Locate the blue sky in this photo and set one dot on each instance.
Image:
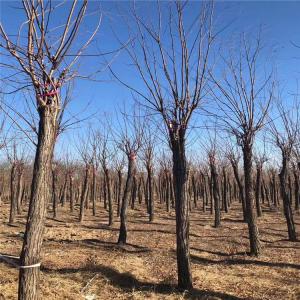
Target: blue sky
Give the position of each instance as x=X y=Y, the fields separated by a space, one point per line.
x=280 y=21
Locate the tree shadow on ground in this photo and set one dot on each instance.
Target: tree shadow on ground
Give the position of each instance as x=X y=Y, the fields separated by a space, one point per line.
x=147 y=222
x=100 y=226
x=128 y=282
x=241 y=261
x=218 y=252
x=229 y=220
x=128 y=247
x=153 y=230
x=96 y=243
x=209 y=236
x=106 y=227
x=55 y=220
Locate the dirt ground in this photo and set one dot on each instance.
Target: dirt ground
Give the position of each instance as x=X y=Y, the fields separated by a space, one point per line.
x=82 y=261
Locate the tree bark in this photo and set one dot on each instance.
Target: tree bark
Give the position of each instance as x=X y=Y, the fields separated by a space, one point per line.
x=94 y=191
x=84 y=193
x=13 y=194
x=258 y=190
x=109 y=198
x=40 y=192
x=128 y=186
x=54 y=193
x=297 y=189
x=225 y=200
x=182 y=214
x=71 y=178
x=216 y=194
x=241 y=188
x=20 y=186
x=119 y=192
x=255 y=246
x=150 y=193
x=283 y=176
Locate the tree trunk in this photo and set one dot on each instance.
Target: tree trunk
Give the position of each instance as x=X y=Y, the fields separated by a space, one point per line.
x=255 y=246
x=54 y=193
x=297 y=189
x=40 y=192
x=225 y=200
x=128 y=186
x=13 y=194
x=216 y=193
x=133 y=192
x=258 y=190
x=241 y=188
x=119 y=192
x=182 y=214
x=84 y=193
x=94 y=191
x=150 y=193
x=20 y=187
x=104 y=193
x=63 y=194
x=286 y=201
x=71 y=193
x=109 y=198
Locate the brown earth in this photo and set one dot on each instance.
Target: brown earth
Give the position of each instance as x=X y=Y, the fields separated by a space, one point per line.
x=82 y=261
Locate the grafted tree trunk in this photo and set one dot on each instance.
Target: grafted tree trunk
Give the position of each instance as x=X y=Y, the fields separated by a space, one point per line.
x=255 y=246
x=40 y=192
x=283 y=176
x=128 y=186
x=182 y=214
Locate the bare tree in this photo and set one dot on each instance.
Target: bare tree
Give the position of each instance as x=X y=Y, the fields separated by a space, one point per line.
x=87 y=148
x=119 y=165
x=243 y=99
x=42 y=63
x=148 y=159
x=104 y=156
x=285 y=137
x=129 y=140
x=173 y=70
x=260 y=159
x=211 y=145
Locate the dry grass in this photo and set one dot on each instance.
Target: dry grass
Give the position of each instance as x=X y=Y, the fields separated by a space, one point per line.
x=82 y=261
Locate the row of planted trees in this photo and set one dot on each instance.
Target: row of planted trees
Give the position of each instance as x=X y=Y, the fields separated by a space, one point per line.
x=212 y=186
x=174 y=61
